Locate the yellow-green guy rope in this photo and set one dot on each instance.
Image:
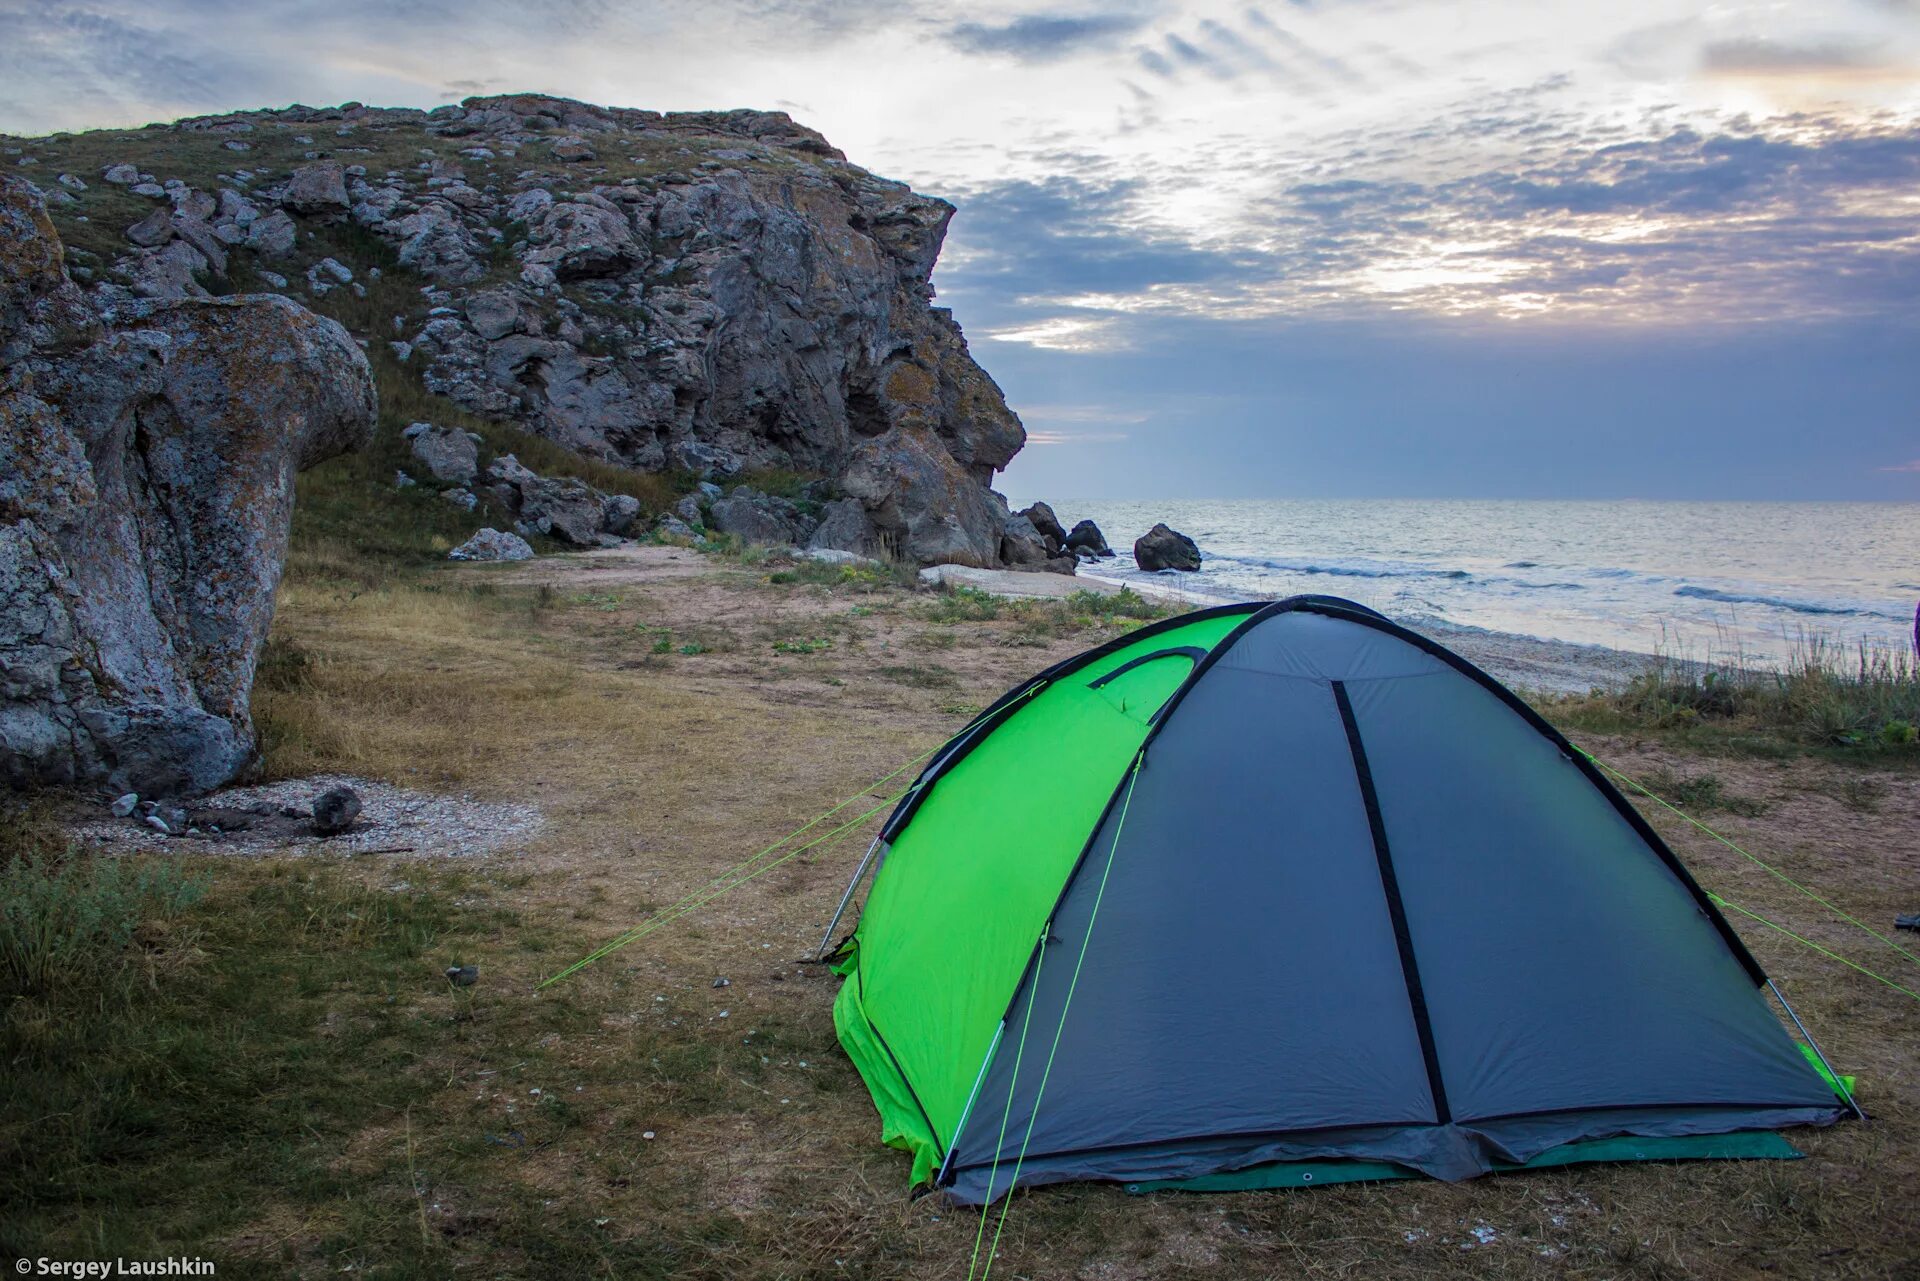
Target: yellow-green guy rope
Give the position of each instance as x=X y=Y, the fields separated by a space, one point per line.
x=1878 y=978
x=739 y=875
x=1769 y=868
x=1019 y=1053
x=1066 y=1003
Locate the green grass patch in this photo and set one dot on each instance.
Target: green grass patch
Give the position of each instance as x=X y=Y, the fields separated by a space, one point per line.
x=1856 y=704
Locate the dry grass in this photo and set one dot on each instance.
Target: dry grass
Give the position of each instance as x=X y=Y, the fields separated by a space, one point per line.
x=659 y=769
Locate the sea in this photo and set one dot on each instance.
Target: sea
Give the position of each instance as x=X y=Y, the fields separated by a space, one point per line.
x=1753 y=582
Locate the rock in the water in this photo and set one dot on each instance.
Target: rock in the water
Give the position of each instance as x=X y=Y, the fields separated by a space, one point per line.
x=335 y=809
x=447 y=452
x=146 y=479
x=492 y=544
x=1086 y=536
x=1164 y=548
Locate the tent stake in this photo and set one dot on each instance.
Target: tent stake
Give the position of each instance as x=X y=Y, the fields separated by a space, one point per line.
x=1833 y=1076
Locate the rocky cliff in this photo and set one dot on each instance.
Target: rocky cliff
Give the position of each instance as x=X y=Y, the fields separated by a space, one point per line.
x=716 y=293
x=147 y=453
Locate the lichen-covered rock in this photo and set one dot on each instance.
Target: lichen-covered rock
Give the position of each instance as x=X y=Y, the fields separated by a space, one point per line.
x=317 y=189
x=492 y=544
x=147 y=458
x=449 y=453
x=754 y=517
x=715 y=292
x=844 y=527
x=559 y=506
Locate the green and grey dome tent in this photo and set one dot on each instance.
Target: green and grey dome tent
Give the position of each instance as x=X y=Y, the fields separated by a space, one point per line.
x=1272 y=889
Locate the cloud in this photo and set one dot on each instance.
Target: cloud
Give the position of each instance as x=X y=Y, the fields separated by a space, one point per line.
x=1759 y=57
x=1736 y=224
x=1912 y=466
x=1042 y=37
x=1073 y=438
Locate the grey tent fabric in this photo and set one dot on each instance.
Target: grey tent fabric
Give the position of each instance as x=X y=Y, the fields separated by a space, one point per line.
x=1358 y=903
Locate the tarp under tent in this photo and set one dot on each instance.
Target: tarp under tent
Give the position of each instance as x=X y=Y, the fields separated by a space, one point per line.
x=1275 y=891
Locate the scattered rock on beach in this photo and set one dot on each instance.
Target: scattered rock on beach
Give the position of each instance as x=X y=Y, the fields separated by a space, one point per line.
x=1165 y=548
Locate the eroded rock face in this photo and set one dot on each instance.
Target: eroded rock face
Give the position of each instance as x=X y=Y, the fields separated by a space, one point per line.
x=712 y=291
x=147 y=457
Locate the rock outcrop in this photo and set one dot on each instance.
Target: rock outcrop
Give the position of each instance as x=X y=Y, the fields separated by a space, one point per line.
x=492 y=544
x=1086 y=539
x=1165 y=548
x=714 y=292
x=147 y=456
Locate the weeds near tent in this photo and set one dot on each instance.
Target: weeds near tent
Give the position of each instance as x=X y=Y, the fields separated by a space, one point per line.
x=1862 y=701
x=1701 y=793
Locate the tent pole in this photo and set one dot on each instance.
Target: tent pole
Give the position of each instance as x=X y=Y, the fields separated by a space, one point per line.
x=859 y=873
x=1845 y=1093
x=979 y=1079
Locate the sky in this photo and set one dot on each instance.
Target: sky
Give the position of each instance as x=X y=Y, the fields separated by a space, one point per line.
x=1295 y=248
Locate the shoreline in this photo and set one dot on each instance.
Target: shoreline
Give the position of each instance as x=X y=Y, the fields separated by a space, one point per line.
x=1528 y=663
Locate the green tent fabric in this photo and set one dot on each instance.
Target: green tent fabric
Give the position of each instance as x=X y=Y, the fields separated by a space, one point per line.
x=1356 y=905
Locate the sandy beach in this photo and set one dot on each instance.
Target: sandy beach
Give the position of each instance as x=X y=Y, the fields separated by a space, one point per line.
x=1524 y=662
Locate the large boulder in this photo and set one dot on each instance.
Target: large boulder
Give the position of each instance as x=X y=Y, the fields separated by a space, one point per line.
x=317 y=189
x=558 y=506
x=147 y=457
x=1041 y=517
x=754 y=517
x=1086 y=537
x=449 y=453
x=844 y=527
x=1164 y=548
x=492 y=544
x=1021 y=544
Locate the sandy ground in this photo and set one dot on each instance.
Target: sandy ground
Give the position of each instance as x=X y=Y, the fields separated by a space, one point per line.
x=1524 y=662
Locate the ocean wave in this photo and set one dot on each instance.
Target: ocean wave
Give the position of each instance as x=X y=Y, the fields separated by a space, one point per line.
x=1775 y=602
x=1345 y=571
x=1521 y=564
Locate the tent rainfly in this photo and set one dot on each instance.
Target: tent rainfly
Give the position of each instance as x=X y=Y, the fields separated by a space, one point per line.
x=1270 y=892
